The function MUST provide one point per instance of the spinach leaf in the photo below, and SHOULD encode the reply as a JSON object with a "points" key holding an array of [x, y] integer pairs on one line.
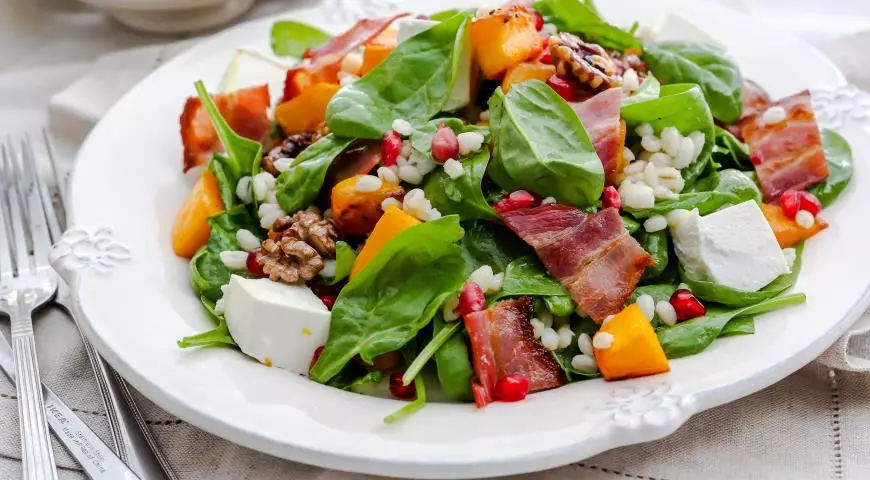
{"points": [[734, 182], [659, 292], [207, 271], [693, 336], [344, 258], [219, 167], [560, 305], [738, 326], [298, 187], [526, 276], [438, 339], [292, 39], [396, 295], [490, 244], [705, 202], [706, 65], [453, 364], [449, 13], [631, 224], [540, 145], [582, 18], [840, 167], [363, 383], [649, 90], [414, 83], [681, 106], [462, 196], [219, 336], [656, 244], [241, 153], [730, 152], [714, 292]]}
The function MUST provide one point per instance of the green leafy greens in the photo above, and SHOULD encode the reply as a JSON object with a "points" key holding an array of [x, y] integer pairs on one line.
{"points": [[219, 336], [840, 167], [292, 39], [582, 18], [344, 258], [298, 187]]}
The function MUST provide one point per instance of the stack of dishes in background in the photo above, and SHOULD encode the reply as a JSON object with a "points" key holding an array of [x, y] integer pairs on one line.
{"points": [[173, 16]]}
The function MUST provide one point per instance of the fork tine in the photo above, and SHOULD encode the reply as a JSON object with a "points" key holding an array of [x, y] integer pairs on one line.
{"points": [[6, 267], [59, 183], [40, 234], [15, 219]]}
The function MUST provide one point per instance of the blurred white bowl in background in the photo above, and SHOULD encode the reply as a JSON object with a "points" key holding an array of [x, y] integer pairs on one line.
{"points": [[173, 16]]}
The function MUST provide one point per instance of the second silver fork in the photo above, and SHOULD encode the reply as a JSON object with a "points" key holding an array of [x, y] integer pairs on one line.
{"points": [[28, 282]]}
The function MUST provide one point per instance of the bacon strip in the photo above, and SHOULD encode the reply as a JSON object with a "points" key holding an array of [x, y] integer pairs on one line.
{"points": [[600, 117], [364, 30], [245, 111], [787, 155], [754, 98], [592, 256], [503, 343]]}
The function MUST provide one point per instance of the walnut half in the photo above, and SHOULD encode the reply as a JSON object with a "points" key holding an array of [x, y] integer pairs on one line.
{"points": [[587, 62], [296, 247]]}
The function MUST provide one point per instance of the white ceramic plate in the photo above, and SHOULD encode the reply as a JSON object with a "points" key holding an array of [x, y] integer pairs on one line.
{"points": [[129, 178]]}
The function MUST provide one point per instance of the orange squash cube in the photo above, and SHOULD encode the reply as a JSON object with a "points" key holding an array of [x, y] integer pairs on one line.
{"points": [[190, 230], [378, 49], [527, 71], [635, 350], [307, 110], [788, 232], [391, 223], [356, 212], [503, 39]]}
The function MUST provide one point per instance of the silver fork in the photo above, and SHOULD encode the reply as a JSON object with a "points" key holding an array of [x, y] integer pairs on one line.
{"points": [[133, 440], [28, 285]]}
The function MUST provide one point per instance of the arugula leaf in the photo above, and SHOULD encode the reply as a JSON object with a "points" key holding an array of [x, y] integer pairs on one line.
{"points": [[681, 106], [490, 244], [714, 292], [738, 326], [840, 167], [582, 18], [241, 153], [298, 187], [693, 336], [292, 39], [219, 336], [730, 152], [344, 258], [705, 202], [396, 295], [649, 90], [413, 83], [462, 196], [706, 65], [540, 145], [656, 244]]}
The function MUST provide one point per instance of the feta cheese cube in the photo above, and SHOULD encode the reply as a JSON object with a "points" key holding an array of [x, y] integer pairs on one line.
{"points": [[734, 247], [278, 324]]}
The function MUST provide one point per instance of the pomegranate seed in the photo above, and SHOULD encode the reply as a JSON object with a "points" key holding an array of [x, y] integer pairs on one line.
{"points": [[481, 396], [471, 299], [404, 392], [809, 202], [546, 57], [610, 198], [687, 305], [445, 145], [790, 202], [316, 356], [539, 20], [253, 265], [517, 200], [757, 157], [391, 148], [565, 88], [326, 293], [511, 388]]}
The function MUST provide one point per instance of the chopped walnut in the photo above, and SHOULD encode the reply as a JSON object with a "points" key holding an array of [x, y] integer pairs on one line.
{"points": [[296, 246], [319, 132], [587, 62], [291, 147]]}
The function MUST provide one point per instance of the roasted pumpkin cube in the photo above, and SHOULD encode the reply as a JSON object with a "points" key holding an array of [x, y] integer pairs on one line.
{"points": [[788, 232], [307, 110], [504, 38], [527, 71], [190, 230], [391, 224], [355, 211], [630, 347]]}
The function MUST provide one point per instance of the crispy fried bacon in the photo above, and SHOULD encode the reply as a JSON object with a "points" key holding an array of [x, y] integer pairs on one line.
{"points": [[600, 118], [245, 112], [787, 155], [503, 343], [593, 256]]}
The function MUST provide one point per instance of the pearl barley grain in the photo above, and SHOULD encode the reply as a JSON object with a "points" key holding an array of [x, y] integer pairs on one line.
{"points": [[676, 217], [651, 143], [388, 175], [584, 363], [805, 219], [453, 169], [368, 183], [647, 305], [565, 336], [671, 140], [584, 343], [774, 115], [469, 142], [550, 339], [644, 129], [656, 223], [234, 259], [402, 127], [666, 312], [247, 240], [602, 340]]}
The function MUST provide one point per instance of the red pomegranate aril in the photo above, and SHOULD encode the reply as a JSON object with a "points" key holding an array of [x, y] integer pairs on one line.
{"points": [[790, 202], [809, 202], [539, 20], [471, 299], [516, 201], [391, 148], [610, 198], [757, 157], [404, 392], [546, 57], [253, 265], [445, 145], [511, 388], [687, 305], [316, 356], [565, 88]]}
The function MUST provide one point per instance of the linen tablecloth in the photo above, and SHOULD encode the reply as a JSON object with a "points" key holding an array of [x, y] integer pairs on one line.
{"points": [[813, 424]]}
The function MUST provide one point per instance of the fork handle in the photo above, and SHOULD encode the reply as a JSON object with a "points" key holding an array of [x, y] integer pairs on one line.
{"points": [[36, 454], [133, 440]]}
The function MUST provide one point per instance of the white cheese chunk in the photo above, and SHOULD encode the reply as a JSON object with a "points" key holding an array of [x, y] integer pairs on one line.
{"points": [[278, 324], [734, 247], [461, 95]]}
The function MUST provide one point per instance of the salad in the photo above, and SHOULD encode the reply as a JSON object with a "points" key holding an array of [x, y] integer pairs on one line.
{"points": [[496, 202]]}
